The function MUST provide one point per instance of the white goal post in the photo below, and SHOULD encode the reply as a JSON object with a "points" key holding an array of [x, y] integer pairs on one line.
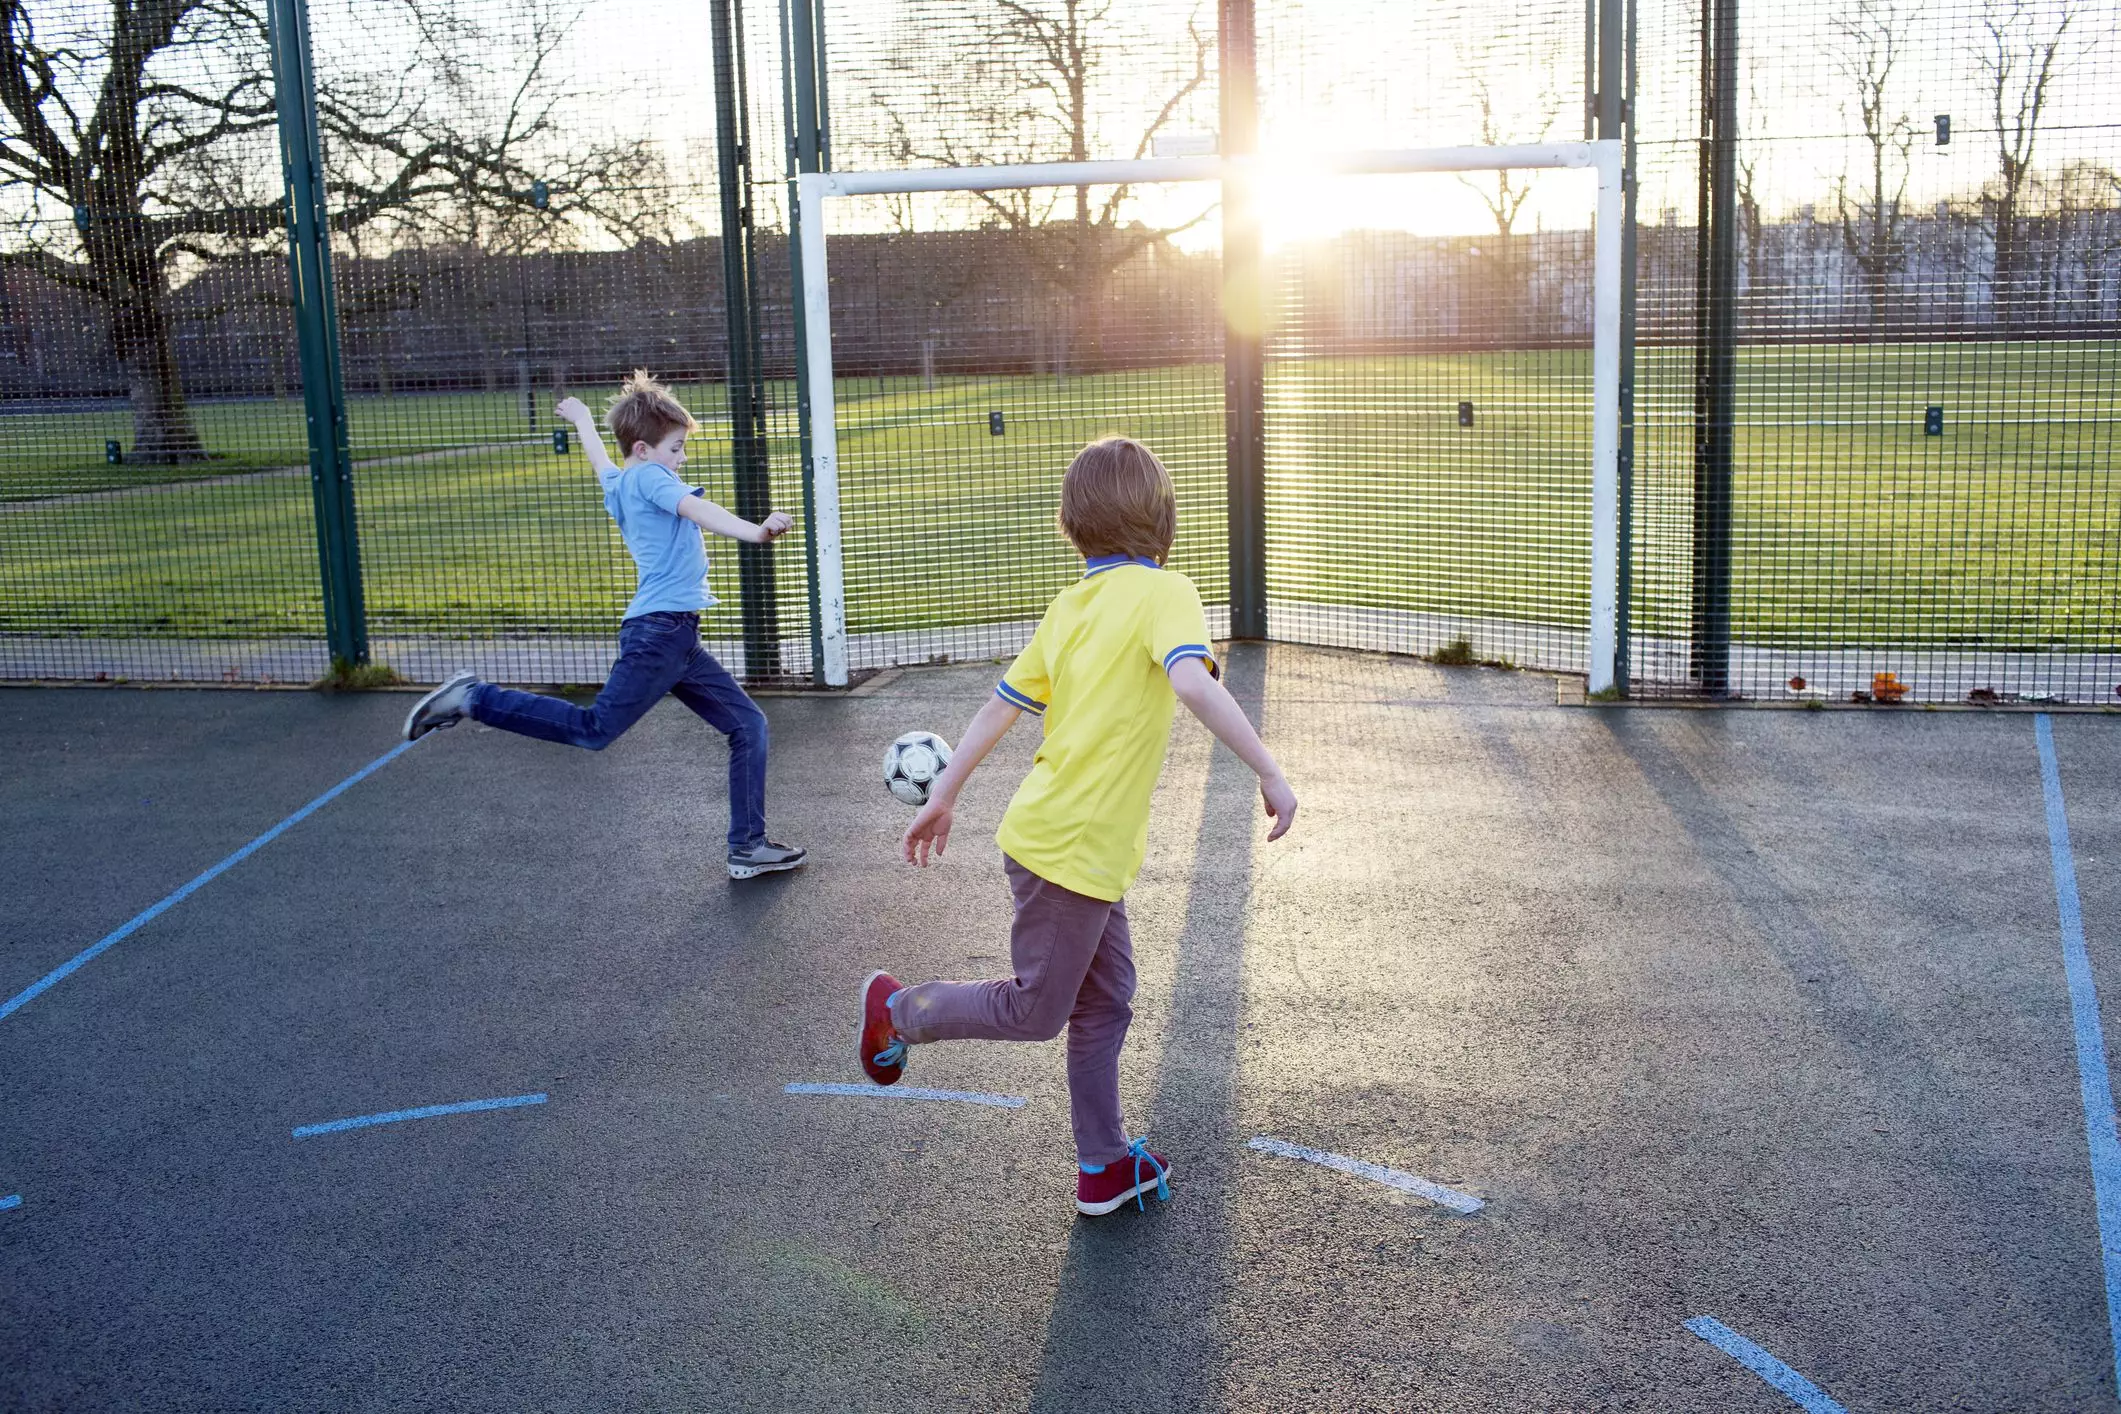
{"points": [[816, 188]]}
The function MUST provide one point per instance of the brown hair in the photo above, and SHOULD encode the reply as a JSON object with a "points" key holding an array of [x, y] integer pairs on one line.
{"points": [[644, 411], [1117, 500]]}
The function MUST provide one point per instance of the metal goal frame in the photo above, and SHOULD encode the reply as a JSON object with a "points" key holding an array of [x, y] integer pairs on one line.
{"points": [[815, 189]]}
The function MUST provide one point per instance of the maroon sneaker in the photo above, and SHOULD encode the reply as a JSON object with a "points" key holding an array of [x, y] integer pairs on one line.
{"points": [[1127, 1177], [883, 1052]]}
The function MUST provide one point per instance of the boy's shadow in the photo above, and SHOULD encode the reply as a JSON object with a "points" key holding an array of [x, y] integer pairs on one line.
{"points": [[1138, 1319]]}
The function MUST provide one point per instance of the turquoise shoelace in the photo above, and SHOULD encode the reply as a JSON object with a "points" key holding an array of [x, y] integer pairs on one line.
{"points": [[1139, 1150], [893, 1054]]}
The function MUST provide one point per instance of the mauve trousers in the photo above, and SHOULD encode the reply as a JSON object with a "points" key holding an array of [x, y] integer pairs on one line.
{"points": [[1074, 966]]}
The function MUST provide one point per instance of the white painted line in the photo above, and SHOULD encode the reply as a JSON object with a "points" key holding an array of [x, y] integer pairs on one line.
{"points": [[906, 1092], [1377, 1173], [1799, 1390]]}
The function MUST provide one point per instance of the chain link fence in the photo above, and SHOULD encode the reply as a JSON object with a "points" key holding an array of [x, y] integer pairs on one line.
{"points": [[1871, 450]]}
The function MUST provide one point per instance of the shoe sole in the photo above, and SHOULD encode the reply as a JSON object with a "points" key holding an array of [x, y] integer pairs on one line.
{"points": [[752, 871], [1098, 1210], [861, 1031]]}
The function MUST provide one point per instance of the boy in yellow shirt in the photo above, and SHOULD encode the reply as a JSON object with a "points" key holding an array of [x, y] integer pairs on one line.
{"points": [[1114, 655]]}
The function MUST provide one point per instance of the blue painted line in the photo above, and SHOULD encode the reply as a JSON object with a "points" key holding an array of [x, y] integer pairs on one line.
{"points": [[505, 1102], [12, 1200], [1377, 1173], [1801, 1391], [907, 1092], [2095, 1085], [140, 920]]}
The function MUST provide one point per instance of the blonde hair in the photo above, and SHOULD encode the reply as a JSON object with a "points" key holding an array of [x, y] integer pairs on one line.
{"points": [[644, 411], [1116, 499]]}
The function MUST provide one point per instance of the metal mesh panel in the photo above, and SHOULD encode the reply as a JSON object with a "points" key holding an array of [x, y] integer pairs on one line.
{"points": [[1667, 102], [977, 345], [966, 83], [155, 513], [1926, 316], [1428, 422], [553, 225], [1336, 75], [1923, 405]]}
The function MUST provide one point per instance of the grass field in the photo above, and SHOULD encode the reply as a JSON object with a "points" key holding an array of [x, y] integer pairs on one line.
{"points": [[1852, 526]]}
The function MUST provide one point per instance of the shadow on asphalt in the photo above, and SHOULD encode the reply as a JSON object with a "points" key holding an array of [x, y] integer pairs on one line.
{"points": [[1907, 1067], [1135, 1321]]}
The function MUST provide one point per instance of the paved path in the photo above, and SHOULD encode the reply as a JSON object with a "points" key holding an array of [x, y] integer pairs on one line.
{"points": [[1758, 1017]]}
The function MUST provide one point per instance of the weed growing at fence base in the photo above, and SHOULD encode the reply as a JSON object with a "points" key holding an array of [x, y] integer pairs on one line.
{"points": [[1851, 525]]}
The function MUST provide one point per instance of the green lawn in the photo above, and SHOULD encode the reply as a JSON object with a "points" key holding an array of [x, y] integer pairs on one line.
{"points": [[1851, 525]]}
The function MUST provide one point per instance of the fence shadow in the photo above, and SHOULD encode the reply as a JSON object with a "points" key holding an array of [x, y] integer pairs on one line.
{"points": [[1137, 1319]]}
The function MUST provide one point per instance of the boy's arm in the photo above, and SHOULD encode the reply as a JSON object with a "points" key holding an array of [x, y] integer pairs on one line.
{"points": [[1218, 711], [931, 824], [573, 411], [708, 516]]}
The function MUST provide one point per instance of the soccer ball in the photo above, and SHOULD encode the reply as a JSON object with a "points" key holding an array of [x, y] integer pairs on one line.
{"points": [[912, 763]]}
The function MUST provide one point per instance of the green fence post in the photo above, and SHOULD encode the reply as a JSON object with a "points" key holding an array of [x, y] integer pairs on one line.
{"points": [[750, 464], [1715, 348], [317, 332], [1244, 328], [801, 62]]}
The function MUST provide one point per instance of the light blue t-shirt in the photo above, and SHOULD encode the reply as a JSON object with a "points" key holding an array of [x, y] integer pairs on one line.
{"points": [[666, 547]]}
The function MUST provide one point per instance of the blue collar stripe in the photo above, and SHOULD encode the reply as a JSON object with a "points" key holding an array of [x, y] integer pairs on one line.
{"points": [[1014, 698], [1109, 562]]}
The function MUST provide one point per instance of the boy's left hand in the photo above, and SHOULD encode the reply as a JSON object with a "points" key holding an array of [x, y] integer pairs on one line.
{"points": [[774, 526], [930, 830]]}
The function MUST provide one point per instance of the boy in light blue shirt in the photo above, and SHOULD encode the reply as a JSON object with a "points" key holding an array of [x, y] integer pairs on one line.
{"points": [[660, 518]]}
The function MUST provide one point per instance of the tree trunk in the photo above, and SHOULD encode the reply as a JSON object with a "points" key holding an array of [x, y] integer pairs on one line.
{"points": [[162, 426], [2005, 284]]}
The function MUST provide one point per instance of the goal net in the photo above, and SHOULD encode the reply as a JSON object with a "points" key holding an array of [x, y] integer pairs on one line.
{"points": [[964, 330]]}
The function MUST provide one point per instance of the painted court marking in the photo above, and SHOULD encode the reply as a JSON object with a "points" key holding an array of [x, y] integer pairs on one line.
{"points": [[333, 1126], [1801, 1391], [906, 1092], [142, 919], [2095, 1085], [1377, 1173]]}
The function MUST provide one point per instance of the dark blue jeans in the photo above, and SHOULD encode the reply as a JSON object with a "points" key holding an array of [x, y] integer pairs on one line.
{"points": [[658, 653]]}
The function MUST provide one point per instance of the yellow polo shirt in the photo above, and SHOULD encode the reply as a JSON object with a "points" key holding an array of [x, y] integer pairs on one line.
{"points": [[1097, 674]]}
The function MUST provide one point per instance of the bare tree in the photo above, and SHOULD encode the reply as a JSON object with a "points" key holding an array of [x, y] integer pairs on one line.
{"points": [[1751, 223], [137, 150], [2020, 54], [1868, 38], [2086, 206], [1021, 86], [1505, 191]]}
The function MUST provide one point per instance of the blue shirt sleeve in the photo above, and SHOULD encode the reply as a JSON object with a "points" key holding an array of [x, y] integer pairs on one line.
{"points": [[1177, 626], [660, 488], [1028, 685]]}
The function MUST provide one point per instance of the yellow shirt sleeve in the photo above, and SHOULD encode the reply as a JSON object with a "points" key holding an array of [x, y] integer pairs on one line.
{"points": [[1177, 626], [1028, 684]]}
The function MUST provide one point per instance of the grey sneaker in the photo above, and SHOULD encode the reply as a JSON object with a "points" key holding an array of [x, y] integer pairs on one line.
{"points": [[765, 858], [444, 707]]}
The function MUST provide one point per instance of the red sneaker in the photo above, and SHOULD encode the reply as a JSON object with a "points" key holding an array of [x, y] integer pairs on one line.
{"points": [[883, 1053], [1129, 1177]]}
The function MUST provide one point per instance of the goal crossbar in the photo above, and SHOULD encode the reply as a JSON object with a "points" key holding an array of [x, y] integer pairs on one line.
{"points": [[814, 189]]}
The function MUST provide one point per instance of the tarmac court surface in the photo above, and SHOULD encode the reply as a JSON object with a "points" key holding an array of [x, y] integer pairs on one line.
{"points": [[1754, 1016]]}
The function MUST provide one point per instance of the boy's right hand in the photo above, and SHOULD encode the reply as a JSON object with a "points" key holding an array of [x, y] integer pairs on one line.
{"points": [[1280, 802], [572, 410], [931, 826]]}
